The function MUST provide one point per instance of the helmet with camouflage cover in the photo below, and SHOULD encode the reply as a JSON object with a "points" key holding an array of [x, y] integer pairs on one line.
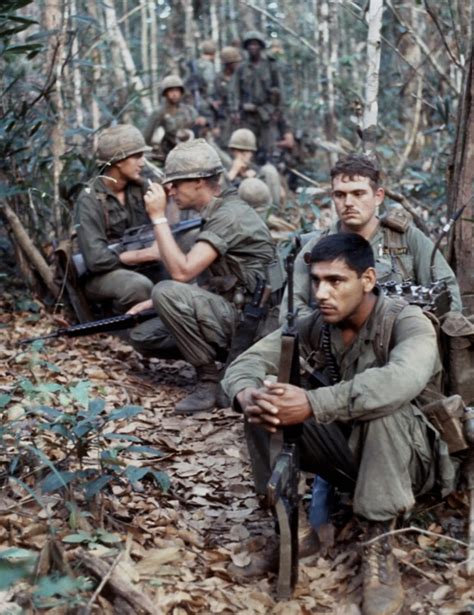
{"points": [[192, 160], [120, 142], [230, 55], [243, 139], [208, 47], [255, 192], [253, 35], [172, 81]]}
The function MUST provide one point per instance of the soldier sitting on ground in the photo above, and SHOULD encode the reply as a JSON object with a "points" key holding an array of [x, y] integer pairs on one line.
{"points": [[242, 146], [402, 252], [105, 209], [172, 121], [365, 434], [233, 250]]}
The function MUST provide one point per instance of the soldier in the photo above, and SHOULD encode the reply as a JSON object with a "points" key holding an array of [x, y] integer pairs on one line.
{"points": [[402, 252], [206, 63], [257, 194], [172, 121], [233, 249], [230, 59], [256, 93], [366, 433], [242, 146], [109, 205]]}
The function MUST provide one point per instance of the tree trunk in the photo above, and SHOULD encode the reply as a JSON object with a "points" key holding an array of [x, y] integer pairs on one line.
{"points": [[54, 20], [370, 118], [153, 54], [461, 191]]}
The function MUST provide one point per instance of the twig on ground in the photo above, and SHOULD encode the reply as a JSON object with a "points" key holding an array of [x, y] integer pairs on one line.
{"points": [[101, 585]]}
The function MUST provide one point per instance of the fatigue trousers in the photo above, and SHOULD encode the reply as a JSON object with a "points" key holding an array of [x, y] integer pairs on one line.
{"points": [[124, 287], [198, 323], [383, 462]]}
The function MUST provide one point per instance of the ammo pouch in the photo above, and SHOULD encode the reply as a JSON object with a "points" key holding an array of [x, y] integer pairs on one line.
{"points": [[458, 354], [446, 415]]}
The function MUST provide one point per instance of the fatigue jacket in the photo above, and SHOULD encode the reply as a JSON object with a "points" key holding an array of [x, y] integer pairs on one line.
{"points": [[240, 237], [100, 219], [252, 83], [406, 259], [171, 119]]}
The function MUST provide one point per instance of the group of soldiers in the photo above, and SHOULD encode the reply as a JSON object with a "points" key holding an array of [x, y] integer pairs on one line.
{"points": [[365, 433]]}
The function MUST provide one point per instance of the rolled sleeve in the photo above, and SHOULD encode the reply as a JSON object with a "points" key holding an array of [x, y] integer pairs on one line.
{"points": [[379, 391]]}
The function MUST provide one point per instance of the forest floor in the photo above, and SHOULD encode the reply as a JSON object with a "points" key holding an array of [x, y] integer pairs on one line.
{"points": [[161, 548]]}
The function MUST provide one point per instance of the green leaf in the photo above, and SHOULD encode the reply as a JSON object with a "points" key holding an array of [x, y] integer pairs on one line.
{"points": [[135, 474], [4, 400], [53, 482], [126, 412], [107, 537], [94, 486], [80, 392], [60, 586], [96, 406], [78, 537], [49, 463]]}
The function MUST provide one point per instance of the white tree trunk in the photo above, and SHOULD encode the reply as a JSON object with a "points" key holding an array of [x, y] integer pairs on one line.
{"points": [[76, 72], [116, 37], [153, 53], [370, 117]]}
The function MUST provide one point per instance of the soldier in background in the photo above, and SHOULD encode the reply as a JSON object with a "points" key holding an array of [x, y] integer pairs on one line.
{"points": [[230, 59], [205, 65], [243, 146], [256, 93], [170, 122]]}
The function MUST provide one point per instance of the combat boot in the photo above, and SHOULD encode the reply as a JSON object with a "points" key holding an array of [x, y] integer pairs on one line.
{"points": [[382, 586], [204, 395]]}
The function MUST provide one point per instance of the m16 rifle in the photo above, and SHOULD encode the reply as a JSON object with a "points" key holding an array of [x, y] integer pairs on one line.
{"points": [[105, 325], [282, 488], [137, 238]]}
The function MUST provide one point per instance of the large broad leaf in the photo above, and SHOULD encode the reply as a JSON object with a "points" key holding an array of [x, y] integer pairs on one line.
{"points": [[80, 392], [121, 436], [126, 412], [146, 450], [16, 564], [94, 486], [58, 480], [61, 586]]}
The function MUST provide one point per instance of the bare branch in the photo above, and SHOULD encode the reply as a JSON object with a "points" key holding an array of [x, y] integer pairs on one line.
{"points": [[434, 17]]}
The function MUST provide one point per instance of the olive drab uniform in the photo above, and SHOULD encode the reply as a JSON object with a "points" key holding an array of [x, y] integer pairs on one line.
{"points": [[161, 131], [220, 94], [201, 321], [372, 413], [100, 219], [402, 253], [256, 91]]}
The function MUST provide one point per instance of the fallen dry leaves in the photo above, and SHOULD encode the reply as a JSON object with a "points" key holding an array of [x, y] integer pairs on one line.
{"points": [[177, 546]]}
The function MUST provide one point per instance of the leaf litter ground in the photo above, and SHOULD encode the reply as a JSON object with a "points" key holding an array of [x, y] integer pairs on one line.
{"points": [[169, 552]]}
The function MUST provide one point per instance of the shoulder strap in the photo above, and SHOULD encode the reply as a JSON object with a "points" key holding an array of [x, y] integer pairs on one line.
{"points": [[396, 219], [383, 341]]}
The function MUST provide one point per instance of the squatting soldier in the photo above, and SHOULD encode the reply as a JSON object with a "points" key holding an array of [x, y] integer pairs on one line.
{"points": [[110, 204], [256, 92], [172, 121], [402, 252], [230, 59], [233, 249], [366, 433], [242, 146]]}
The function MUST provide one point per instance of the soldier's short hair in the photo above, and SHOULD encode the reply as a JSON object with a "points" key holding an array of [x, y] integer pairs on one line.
{"points": [[354, 165], [353, 249]]}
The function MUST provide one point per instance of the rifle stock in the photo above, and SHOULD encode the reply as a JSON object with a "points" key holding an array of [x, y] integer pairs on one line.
{"points": [[282, 488]]}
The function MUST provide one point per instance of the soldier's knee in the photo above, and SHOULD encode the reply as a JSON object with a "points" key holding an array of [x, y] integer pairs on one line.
{"points": [[167, 291]]}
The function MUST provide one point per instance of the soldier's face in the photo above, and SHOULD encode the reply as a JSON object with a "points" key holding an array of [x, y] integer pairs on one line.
{"points": [[356, 202], [340, 293], [174, 95], [254, 49], [131, 167], [185, 193]]}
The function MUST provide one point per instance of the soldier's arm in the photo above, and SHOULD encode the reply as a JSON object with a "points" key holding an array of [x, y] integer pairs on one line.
{"points": [[379, 391], [91, 232], [422, 247], [154, 121], [302, 291]]}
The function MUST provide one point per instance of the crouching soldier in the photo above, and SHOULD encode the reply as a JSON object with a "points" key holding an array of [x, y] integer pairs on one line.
{"points": [[233, 250], [366, 433]]}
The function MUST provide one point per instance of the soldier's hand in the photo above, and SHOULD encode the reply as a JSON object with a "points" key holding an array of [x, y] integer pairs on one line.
{"points": [[155, 201], [286, 403], [140, 307], [253, 412]]}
